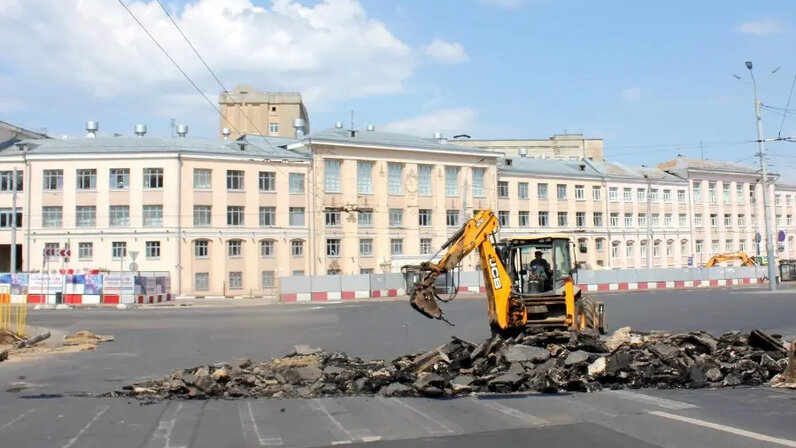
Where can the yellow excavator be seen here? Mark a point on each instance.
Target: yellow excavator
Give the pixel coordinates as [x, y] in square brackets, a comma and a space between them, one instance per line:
[730, 256]
[529, 279]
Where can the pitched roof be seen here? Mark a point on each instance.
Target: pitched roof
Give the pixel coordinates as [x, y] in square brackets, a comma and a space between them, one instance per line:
[390, 139]
[683, 164]
[551, 167]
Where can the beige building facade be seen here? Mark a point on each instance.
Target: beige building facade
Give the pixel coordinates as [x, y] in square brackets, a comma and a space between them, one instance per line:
[229, 218]
[559, 146]
[245, 110]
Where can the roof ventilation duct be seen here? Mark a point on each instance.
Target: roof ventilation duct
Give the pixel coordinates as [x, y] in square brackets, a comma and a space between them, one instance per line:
[91, 127]
[140, 130]
[225, 132]
[523, 152]
[298, 126]
[371, 127]
[182, 130]
[338, 125]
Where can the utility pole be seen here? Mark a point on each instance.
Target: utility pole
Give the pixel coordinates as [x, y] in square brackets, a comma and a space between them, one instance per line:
[771, 255]
[13, 257]
[650, 244]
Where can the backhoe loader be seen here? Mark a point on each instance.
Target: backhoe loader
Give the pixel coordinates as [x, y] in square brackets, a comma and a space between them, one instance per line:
[529, 279]
[730, 256]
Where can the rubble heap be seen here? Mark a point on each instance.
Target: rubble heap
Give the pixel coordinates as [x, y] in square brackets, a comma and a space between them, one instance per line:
[551, 362]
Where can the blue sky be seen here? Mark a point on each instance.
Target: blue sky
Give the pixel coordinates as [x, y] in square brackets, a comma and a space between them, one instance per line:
[651, 78]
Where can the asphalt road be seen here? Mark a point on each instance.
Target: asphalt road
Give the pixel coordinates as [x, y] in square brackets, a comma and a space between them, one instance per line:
[51, 410]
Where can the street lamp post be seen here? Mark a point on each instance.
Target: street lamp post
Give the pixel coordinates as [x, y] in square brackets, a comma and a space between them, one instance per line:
[771, 255]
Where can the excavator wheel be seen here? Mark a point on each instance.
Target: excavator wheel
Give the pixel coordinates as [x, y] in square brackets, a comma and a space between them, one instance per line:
[588, 314]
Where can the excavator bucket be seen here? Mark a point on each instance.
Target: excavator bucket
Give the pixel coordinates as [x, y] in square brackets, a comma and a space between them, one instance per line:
[787, 379]
[424, 300]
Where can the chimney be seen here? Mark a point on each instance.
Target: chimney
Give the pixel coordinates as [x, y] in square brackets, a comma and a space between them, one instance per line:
[140, 130]
[523, 152]
[371, 127]
[298, 125]
[92, 127]
[182, 130]
[338, 125]
[439, 138]
[225, 132]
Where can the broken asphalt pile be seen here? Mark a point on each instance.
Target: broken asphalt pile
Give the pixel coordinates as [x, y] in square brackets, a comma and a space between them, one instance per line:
[550, 362]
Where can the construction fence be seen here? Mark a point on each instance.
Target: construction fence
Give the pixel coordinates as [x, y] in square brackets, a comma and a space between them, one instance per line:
[88, 289]
[13, 316]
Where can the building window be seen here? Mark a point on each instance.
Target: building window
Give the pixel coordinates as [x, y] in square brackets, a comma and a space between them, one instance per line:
[597, 219]
[544, 219]
[667, 220]
[742, 246]
[596, 193]
[86, 179]
[236, 280]
[266, 181]
[200, 248]
[641, 194]
[681, 196]
[729, 246]
[714, 246]
[333, 218]
[424, 180]
[396, 217]
[266, 248]
[714, 220]
[683, 247]
[580, 219]
[452, 218]
[789, 199]
[118, 250]
[266, 279]
[396, 246]
[333, 247]
[656, 249]
[153, 215]
[424, 217]
[667, 196]
[789, 219]
[6, 218]
[85, 251]
[643, 249]
[53, 180]
[741, 221]
[613, 194]
[653, 195]
[451, 181]
[235, 180]
[425, 246]
[331, 176]
[524, 219]
[503, 218]
[86, 216]
[503, 189]
[778, 199]
[202, 179]
[642, 220]
[697, 188]
[541, 191]
[753, 218]
[614, 219]
[201, 281]
[478, 183]
[682, 220]
[655, 220]
[599, 245]
[739, 194]
[119, 216]
[153, 178]
[234, 248]
[629, 249]
[522, 190]
[366, 247]
[365, 218]
[698, 220]
[628, 220]
[364, 177]
[712, 192]
[267, 216]
[296, 216]
[273, 128]
[7, 181]
[728, 220]
[562, 219]
[201, 215]
[395, 178]
[580, 192]
[296, 181]
[779, 220]
[119, 178]
[615, 249]
[583, 245]
[152, 249]
[297, 248]
[234, 215]
[726, 192]
[561, 192]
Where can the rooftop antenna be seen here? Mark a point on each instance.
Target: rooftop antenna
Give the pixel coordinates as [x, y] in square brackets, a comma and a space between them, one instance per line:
[352, 119]
[173, 125]
[701, 150]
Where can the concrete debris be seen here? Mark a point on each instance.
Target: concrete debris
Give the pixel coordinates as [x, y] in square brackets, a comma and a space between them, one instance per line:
[32, 341]
[3, 355]
[549, 362]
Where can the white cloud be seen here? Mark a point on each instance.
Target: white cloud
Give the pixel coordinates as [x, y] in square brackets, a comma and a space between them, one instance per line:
[631, 95]
[443, 51]
[93, 50]
[449, 121]
[762, 26]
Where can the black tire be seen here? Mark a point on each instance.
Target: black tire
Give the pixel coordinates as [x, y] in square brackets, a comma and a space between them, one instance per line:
[588, 311]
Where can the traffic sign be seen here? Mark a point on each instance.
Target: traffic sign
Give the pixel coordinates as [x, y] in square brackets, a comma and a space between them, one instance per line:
[758, 237]
[133, 254]
[781, 236]
[51, 252]
[133, 266]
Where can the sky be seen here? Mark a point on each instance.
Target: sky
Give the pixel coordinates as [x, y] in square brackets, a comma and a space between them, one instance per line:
[653, 79]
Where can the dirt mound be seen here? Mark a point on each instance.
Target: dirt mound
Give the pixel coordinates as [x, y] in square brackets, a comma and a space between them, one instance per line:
[548, 362]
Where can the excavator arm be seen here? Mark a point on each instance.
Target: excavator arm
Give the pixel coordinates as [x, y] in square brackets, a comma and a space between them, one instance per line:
[731, 256]
[504, 312]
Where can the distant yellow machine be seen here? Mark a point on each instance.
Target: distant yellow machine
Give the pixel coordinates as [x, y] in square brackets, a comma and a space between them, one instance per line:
[731, 256]
[529, 279]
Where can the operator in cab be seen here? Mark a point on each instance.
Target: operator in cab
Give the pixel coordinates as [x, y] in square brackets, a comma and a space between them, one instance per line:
[540, 270]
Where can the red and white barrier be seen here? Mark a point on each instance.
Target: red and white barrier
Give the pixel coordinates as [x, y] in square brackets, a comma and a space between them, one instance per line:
[337, 296]
[154, 298]
[678, 284]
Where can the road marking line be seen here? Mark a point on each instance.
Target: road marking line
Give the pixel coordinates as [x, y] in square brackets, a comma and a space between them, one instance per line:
[17, 419]
[249, 425]
[85, 428]
[527, 418]
[346, 436]
[648, 399]
[164, 429]
[729, 429]
[444, 428]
